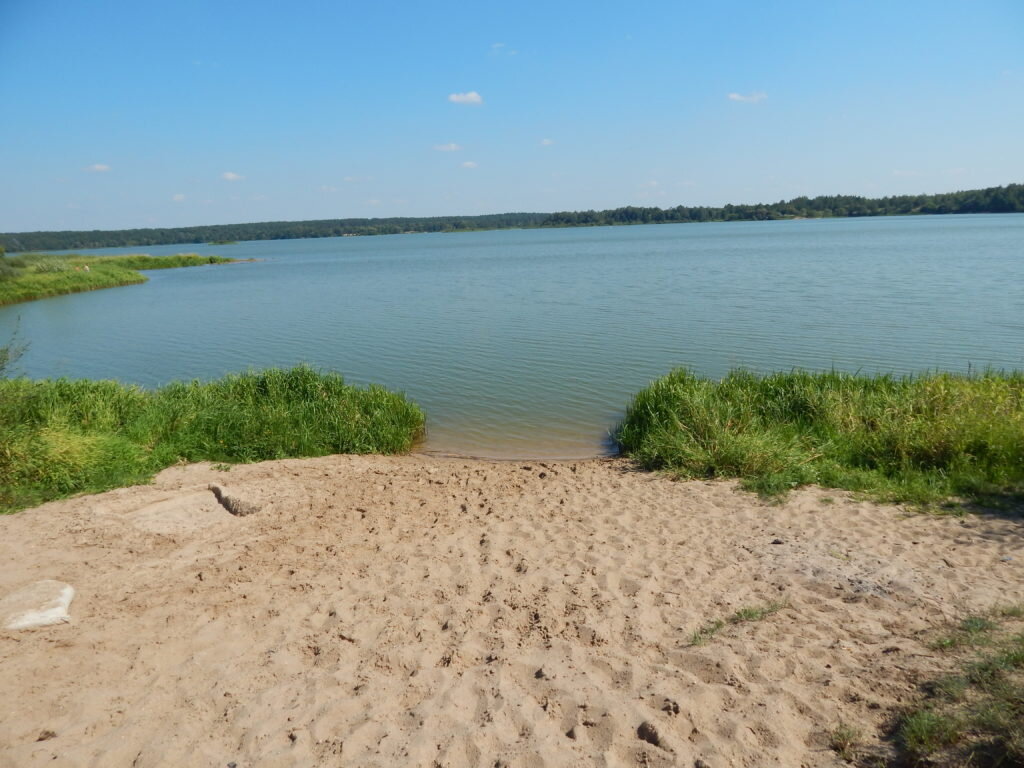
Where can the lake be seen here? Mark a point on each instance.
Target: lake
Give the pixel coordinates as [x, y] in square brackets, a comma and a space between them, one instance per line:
[529, 343]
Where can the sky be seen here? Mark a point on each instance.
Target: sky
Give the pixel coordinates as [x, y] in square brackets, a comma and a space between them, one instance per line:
[117, 114]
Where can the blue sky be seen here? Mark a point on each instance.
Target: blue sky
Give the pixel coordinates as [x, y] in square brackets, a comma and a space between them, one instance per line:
[136, 114]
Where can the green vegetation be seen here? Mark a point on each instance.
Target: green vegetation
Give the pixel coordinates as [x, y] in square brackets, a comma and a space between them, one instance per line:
[749, 613]
[62, 437]
[918, 439]
[975, 715]
[1008, 199]
[37, 276]
[971, 632]
[843, 739]
[10, 353]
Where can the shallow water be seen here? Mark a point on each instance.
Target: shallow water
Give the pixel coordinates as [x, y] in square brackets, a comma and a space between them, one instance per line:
[530, 342]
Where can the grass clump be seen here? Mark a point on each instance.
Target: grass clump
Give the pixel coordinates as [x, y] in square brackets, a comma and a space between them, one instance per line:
[916, 439]
[35, 276]
[1015, 611]
[972, 631]
[704, 634]
[747, 613]
[843, 740]
[926, 731]
[975, 715]
[62, 437]
[756, 612]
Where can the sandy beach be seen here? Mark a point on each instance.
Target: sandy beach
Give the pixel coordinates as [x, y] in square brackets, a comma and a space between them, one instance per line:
[426, 611]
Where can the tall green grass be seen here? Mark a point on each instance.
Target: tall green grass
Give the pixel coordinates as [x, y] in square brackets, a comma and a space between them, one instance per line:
[61, 437]
[917, 439]
[35, 276]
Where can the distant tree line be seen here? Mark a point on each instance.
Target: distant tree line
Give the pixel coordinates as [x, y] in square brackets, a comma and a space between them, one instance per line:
[223, 234]
[1008, 199]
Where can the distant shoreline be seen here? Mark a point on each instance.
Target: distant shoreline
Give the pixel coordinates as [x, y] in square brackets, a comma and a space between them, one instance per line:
[42, 276]
[1006, 199]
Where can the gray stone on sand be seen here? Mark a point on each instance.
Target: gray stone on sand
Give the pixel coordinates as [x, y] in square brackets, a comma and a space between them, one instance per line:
[40, 604]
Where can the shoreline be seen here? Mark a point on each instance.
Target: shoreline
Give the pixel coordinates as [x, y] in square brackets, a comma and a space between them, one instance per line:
[81, 273]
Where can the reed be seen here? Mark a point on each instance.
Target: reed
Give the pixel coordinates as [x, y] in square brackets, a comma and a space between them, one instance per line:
[62, 437]
[919, 439]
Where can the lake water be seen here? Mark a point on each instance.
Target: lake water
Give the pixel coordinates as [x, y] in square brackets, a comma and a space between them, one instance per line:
[529, 343]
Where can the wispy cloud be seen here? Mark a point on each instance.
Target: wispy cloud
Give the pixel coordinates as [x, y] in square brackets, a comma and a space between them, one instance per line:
[356, 179]
[98, 168]
[748, 98]
[328, 188]
[501, 49]
[547, 142]
[373, 201]
[469, 164]
[231, 176]
[470, 97]
[178, 197]
[905, 173]
[450, 147]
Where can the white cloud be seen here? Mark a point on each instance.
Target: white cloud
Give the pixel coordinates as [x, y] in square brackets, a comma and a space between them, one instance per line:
[178, 197]
[450, 147]
[496, 46]
[231, 176]
[748, 98]
[469, 164]
[356, 179]
[471, 97]
[373, 201]
[98, 168]
[546, 142]
[328, 188]
[906, 174]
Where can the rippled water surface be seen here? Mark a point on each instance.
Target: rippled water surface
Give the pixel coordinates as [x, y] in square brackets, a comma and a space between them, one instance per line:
[530, 343]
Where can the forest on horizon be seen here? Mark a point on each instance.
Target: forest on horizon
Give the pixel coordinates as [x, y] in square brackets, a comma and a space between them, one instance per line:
[1006, 199]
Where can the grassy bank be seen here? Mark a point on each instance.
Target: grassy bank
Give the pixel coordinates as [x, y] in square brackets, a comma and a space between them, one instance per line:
[37, 276]
[920, 439]
[63, 437]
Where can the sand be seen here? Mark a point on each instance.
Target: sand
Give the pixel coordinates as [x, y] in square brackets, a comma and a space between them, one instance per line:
[424, 611]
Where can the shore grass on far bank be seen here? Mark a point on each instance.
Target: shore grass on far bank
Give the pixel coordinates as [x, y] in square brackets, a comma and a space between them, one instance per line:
[920, 439]
[63, 437]
[36, 276]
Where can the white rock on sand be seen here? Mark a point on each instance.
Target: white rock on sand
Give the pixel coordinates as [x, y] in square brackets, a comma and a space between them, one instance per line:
[417, 611]
[40, 604]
